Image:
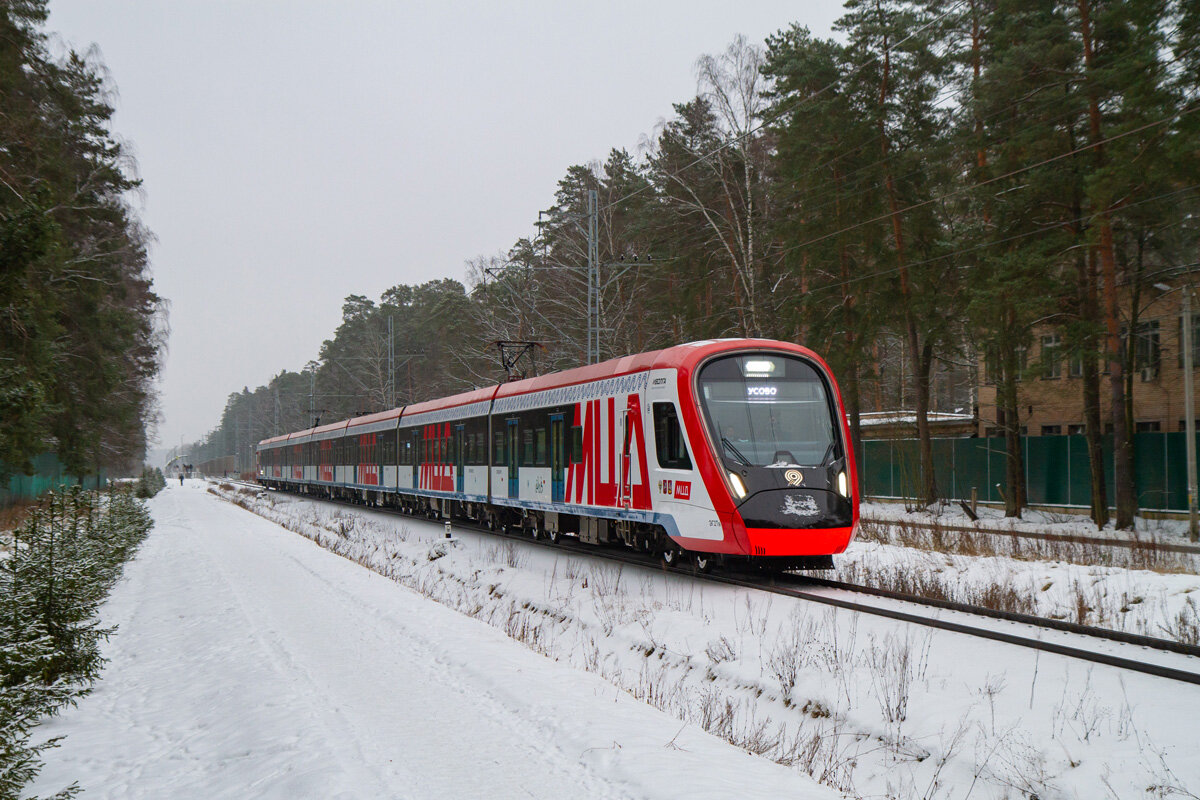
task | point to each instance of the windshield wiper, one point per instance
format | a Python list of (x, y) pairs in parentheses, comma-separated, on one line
[(828, 453), (736, 453)]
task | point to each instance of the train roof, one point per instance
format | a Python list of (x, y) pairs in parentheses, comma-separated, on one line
[(463, 399), (682, 356), (330, 431), (378, 416)]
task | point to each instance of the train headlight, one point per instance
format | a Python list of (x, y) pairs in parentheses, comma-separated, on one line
[(843, 485), (739, 488), (758, 368)]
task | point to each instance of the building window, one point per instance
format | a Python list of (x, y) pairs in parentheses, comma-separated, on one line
[(1051, 359), (1075, 366), (1147, 426), (1051, 430), (991, 365), (1076, 430), (1146, 353)]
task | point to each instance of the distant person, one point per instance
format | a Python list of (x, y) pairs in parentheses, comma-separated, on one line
[(181, 479)]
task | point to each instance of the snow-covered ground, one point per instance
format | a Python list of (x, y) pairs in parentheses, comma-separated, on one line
[(1068, 522), (251, 663), (1090, 584), (863, 704)]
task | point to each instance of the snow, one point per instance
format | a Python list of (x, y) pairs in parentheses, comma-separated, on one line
[(1163, 603), (1067, 522), (867, 705), (251, 663)]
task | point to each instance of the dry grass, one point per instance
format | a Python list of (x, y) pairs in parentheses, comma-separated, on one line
[(12, 517), (1145, 552)]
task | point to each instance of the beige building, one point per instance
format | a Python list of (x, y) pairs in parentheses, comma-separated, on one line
[(1051, 393)]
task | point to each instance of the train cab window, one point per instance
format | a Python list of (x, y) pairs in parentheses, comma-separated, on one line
[(768, 410), (668, 438)]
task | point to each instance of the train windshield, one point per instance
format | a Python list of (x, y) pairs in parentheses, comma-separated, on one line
[(768, 411)]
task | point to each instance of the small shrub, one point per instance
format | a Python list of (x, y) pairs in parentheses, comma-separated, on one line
[(66, 557)]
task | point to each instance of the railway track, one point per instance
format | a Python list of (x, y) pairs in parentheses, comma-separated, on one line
[(1147, 655)]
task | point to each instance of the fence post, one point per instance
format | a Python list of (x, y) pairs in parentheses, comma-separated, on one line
[(891, 470)]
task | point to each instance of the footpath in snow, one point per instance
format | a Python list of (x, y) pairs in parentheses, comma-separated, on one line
[(250, 662)]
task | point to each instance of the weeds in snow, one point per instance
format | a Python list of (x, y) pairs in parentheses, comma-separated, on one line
[(1144, 551)]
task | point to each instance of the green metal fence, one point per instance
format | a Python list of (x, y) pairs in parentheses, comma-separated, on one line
[(48, 473), (1056, 469)]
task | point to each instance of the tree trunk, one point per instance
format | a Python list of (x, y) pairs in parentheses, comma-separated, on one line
[(920, 375), (1006, 404), (1089, 313), (1122, 441)]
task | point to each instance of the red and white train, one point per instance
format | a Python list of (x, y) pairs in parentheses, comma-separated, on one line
[(724, 450)]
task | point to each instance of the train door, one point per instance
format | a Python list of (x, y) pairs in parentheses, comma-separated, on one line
[(625, 495), (557, 459), (460, 445), (511, 450)]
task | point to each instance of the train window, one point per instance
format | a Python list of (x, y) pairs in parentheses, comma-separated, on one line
[(541, 447), (668, 438), (498, 449), (527, 447), (576, 445)]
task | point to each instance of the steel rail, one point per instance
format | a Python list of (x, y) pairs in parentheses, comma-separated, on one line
[(788, 584)]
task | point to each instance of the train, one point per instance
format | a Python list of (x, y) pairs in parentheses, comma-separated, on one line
[(719, 453)]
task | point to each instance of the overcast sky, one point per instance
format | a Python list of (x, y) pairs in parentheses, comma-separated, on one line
[(297, 152)]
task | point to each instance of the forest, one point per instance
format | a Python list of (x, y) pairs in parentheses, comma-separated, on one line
[(81, 330), (917, 196)]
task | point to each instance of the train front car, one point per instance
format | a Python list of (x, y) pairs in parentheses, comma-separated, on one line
[(778, 465)]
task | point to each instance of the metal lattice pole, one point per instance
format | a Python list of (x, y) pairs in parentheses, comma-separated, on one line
[(593, 281)]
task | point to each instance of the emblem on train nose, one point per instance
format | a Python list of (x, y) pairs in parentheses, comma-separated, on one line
[(793, 477)]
